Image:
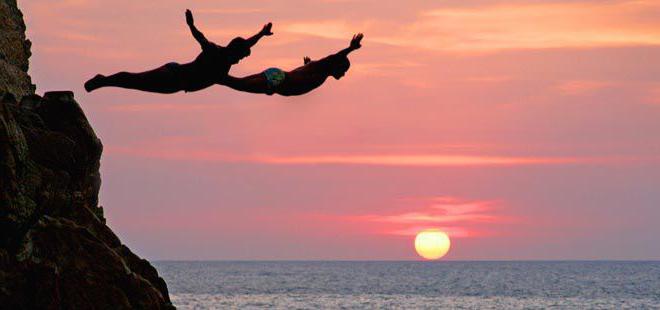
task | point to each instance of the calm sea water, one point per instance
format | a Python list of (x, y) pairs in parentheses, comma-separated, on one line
[(413, 285)]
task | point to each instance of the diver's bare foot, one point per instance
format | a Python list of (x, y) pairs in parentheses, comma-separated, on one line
[(94, 83)]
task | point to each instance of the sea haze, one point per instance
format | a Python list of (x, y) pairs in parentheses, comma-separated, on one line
[(455, 285)]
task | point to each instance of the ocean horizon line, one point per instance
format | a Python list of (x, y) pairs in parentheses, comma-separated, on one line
[(401, 261)]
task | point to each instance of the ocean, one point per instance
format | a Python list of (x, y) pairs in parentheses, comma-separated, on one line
[(413, 285)]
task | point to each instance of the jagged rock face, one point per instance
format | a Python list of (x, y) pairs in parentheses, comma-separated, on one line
[(14, 51), (55, 250)]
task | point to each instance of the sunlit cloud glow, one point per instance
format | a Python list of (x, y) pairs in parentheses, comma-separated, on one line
[(457, 217), (495, 27), (416, 160), (378, 160)]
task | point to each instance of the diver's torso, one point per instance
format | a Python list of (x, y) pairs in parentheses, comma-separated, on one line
[(210, 66), (301, 81)]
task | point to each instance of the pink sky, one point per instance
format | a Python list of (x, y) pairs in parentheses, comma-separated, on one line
[(524, 129)]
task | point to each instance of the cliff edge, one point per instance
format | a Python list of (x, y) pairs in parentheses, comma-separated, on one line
[(55, 250)]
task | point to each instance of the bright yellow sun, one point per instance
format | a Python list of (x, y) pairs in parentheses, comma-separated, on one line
[(432, 244)]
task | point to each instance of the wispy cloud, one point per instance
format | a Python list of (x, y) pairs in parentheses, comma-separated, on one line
[(230, 10), (100, 54), (77, 37), (392, 68), (331, 29), (160, 107), (581, 87), (544, 25), (455, 216), (496, 27), (416, 160), (375, 160)]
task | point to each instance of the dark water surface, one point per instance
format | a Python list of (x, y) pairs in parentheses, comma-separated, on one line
[(425, 285)]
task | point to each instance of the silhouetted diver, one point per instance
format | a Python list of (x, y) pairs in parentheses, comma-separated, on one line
[(300, 80), (210, 67)]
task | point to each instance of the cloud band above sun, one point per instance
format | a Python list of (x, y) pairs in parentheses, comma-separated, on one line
[(378, 160)]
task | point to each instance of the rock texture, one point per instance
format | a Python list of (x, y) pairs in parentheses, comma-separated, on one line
[(14, 51), (55, 250)]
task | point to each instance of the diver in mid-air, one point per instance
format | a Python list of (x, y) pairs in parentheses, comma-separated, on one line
[(209, 68), (297, 81)]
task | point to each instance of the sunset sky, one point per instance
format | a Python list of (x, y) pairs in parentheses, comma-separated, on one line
[(523, 129)]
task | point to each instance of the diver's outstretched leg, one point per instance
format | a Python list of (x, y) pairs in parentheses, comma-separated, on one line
[(94, 83), (161, 80)]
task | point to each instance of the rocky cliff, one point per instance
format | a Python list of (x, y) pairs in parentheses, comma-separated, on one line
[(55, 250), (14, 51)]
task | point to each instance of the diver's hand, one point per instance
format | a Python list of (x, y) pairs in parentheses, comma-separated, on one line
[(189, 18), (355, 42), (266, 31), (307, 60)]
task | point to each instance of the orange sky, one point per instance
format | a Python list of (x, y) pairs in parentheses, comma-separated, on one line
[(525, 129)]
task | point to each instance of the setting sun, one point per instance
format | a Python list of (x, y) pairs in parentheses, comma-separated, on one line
[(432, 244)]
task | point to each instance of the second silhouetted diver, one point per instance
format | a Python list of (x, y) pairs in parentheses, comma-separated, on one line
[(300, 80)]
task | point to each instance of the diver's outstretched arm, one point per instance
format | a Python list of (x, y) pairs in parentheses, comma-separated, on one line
[(355, 44), (255, 83), (198, 35), (265, 31)]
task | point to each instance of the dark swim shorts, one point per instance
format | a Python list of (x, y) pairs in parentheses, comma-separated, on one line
[(274, 77)]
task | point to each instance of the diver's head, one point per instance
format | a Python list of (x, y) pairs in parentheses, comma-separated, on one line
[(338, 66), (238, 49)]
